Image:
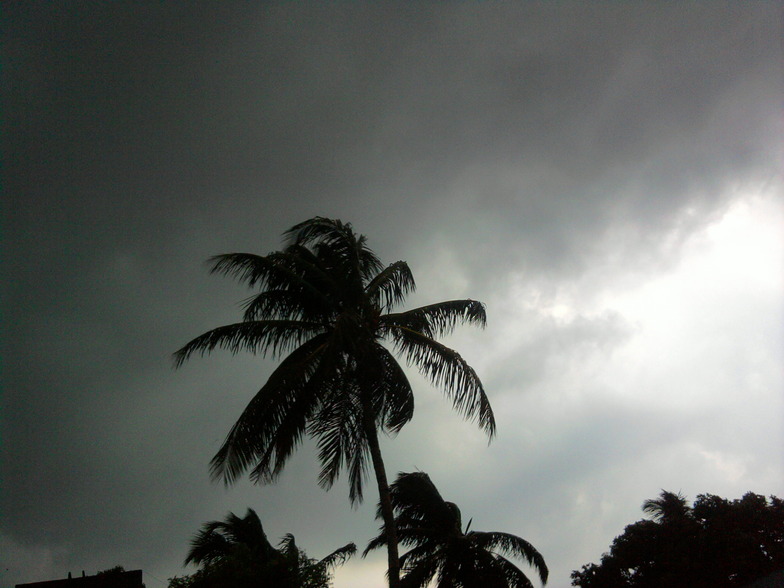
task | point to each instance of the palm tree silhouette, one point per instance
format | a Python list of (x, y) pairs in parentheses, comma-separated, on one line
[(669, 507), (326, 301), (237, 552), (442, 549)]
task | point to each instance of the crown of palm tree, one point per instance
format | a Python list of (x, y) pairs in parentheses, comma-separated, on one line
[(668, 507), (440, 548)]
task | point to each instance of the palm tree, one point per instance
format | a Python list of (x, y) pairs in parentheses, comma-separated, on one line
[(325, 306), (669, 507), (237, 552), (442, 549)]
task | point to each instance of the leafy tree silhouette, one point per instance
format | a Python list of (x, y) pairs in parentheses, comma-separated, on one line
[(236, 552), (442, 549), (326, 301), (716, 543)]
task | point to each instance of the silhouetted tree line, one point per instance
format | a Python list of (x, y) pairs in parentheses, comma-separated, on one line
[(716, 543)]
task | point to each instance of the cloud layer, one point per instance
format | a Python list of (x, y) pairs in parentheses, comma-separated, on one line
[(606, 178)]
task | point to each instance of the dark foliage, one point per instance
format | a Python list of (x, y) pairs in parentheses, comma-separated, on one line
[(441, 549), (324, 307), (716, 543), (236, 553)]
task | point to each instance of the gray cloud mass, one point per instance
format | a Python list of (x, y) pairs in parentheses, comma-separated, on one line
[(554, 161)]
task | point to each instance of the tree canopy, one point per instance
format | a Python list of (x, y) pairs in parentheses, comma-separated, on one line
[(236, 552), (715, 543)]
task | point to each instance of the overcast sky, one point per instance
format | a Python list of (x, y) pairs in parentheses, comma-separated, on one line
[(606, 177)]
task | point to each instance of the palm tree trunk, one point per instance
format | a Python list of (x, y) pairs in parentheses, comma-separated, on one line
[(385, 501)]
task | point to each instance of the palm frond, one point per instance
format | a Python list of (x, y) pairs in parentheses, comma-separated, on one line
[(480, 567), (424, 540), (339, 556), (316, 229), (514, 576), (449, 572), (420, 574), (288, 548), (207, 546), (244, 267), (279, 270), (281, 407), (418, 534), (286, 439), (285, 305), (423, 550), (339, 425), (257, 337), (436, 320), (339, 240), (341, 438), (357, 472), (391, 394), (391, 286), (512, 545), (317, 269), (323, 378), (369, 263), (447, 369), (375, 543)]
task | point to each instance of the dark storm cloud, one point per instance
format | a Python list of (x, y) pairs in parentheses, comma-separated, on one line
[(142, 138), (527, 119)]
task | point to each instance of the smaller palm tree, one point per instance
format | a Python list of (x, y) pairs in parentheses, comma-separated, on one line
[(237, 552), (305, 572), (442, 549), (668, 508)]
